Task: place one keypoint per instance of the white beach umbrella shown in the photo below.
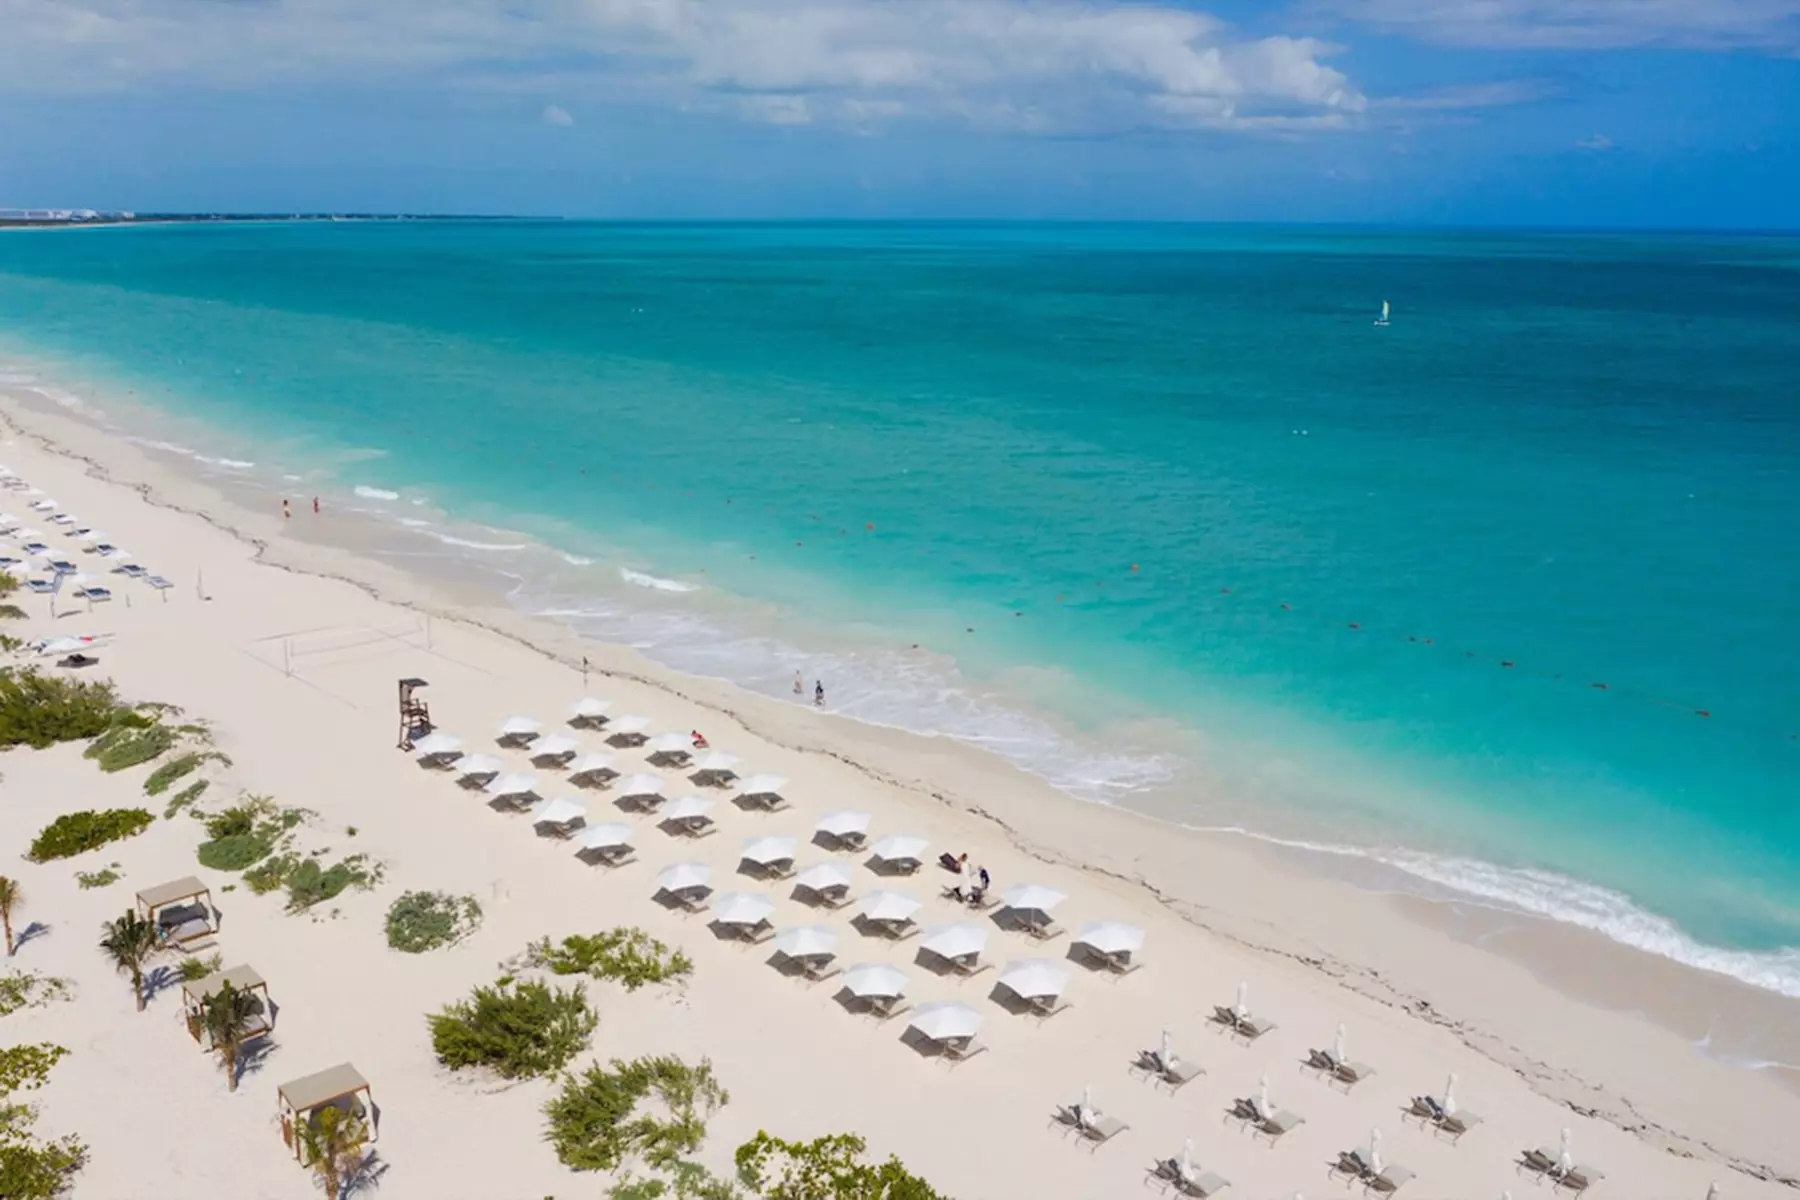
(590, 708)
(719, 761)
(1375, 1151)
(687, 808)
(1111, 937)
(822, 877)
(806, 941)
(1712, 1191)
(957, 940)
(478, 764)
(683, 877)
(44, 505)
(66, 645)
(1262, 1098)
(1242, 1007)
(875, 979)
(628, 724)
(636, 786)
(1085, 1109)
(764, 851)
(604, 837)
(1166, 1051)
(843, 822)
(889, 906)
(438, 745)
(1187, 1161)
(900, 847)
(762, 785)
(89, 535)
(742, 908)
(557, 745)
(670, 743)
(1033, 897)
(945, 1020)
(591, 764)
(516, 783)
(560, 811)
(1449, 1105)
(1565, 1162)
(1337, 1047)
(519, 727)
(1034, 978)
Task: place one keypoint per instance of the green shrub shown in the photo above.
(826, 1168)
(31, 1169)
(421, 921)
(192, 969)
(595, 1123)
(128, 747)
(164, 777)
(28, 989)
(311, 883)
(271, 874)
(78, 832)
(105, 877)
(233, 853)
(686, 1180)
(185, 797)
(39, 710)
(248, 832)
(627, 956)
(518, 1030)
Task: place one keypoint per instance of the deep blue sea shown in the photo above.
(1157, 511)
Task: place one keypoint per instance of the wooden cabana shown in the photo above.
(182, 912)
(341, 1086)
(195, 994)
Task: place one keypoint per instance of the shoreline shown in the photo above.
(1409, 955)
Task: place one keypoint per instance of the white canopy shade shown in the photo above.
(516, 783)
(765, 850)
(519, 727)
(807, 941)
(742, 908)
(554, 746)
(687, 808)
(683, 876)
(843, 822)
(956, 941)
(1032, 897)
(604, 837)
(889, 906)
(1034, 978)
(824, 876)
(670, 743)
(589, 764)
(639, 785)
(762, 785)
(899, 847)
(589, 707)
(719, 760)
(436, 745)
(44, 505)
(559, 811)
(946, 1020)
(875, 979)
(478, 764)
(67, 645)
(1111, 937)
(631, 724)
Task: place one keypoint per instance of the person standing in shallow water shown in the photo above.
(799, 684)
(286, 509)
(819, 694)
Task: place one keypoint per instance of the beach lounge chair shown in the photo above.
(886, 1008)
(966, 966)
(1349, 1074)
(1453, 1126)
(1198, 1184)
(158, 582)
(1542, 1161)
(1578, 1179)
(1177, 1072)
(818, 970)
(130, 571)
(1045, 1007)
(1096, 1129)
(1246, 1027)
(1277, 1126)
(1392, 1178)
(1048, 931)
(961, 1050)
(40, 587)
(95, 593)
(1350, 1164)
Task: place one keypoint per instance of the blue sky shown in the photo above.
(1533, 112)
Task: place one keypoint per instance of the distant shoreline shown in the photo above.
(246, 218)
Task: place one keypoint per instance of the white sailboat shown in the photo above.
(1382, 320)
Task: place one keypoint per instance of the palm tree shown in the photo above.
(229, 1018)
(332, 1141)
(130, 942)
(11, 896)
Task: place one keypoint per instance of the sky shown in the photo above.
(1609, 113)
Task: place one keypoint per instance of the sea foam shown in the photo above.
(656, 583)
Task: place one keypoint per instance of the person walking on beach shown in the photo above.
(819, 694)
(286, 509)
(315, 506)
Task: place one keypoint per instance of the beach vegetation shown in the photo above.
(78, 832)
(682, 1180)
(312, 882)
(421, 921)
(826, 1168)
(626, 956)
(128, 744)
(334, 1143)
(599, 1118)
(130, 942)
(9, 584)
(185, 798)
(179, 768)
(518, 1030)
(28, 989)
(104, 877)
(12, 897)
(30, 1168)
(39, 710)
(229, 1016)
(192, 970)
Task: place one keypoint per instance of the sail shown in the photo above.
(1384, 310)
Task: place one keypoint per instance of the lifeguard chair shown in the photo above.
(415, 714)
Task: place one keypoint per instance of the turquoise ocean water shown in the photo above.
(1167, 518)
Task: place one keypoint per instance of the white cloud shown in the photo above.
(1500, 94)
(1772, 25)
(555, 115)
(1020, 64)
(1599, 143)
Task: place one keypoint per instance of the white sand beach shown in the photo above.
(293, 651)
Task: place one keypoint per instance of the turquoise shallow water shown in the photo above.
(1573, 454)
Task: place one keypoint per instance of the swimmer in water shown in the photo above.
(799, 684)
(286, 510)
(819, 694)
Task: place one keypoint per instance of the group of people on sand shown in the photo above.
(972, 882)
